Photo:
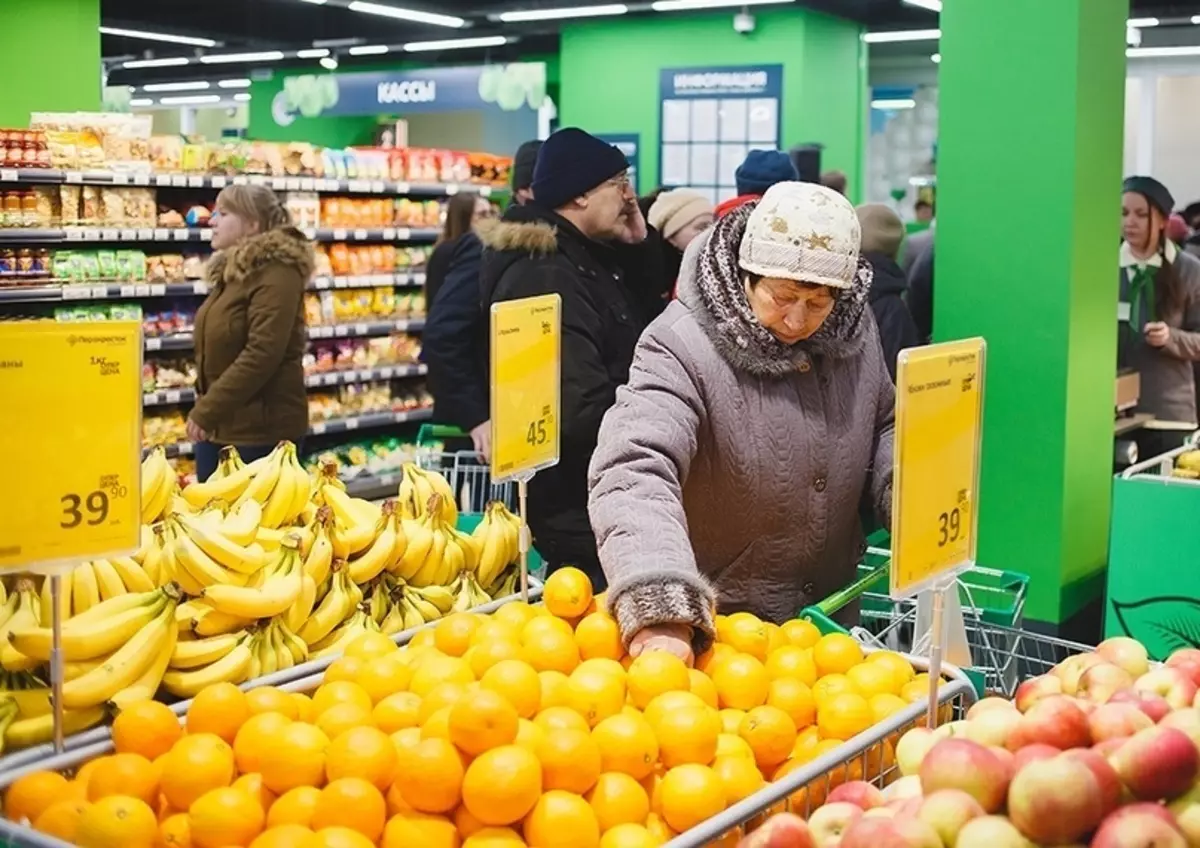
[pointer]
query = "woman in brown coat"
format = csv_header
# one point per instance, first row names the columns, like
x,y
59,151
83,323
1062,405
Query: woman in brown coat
x,y
758,412
250,331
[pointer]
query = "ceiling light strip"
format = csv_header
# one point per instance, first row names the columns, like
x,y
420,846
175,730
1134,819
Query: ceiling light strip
x,y
198,85
314,53
562,14
158,36
931,5
406,14
173,62
369,50
231,58
455,43
688,5
902,35
193,100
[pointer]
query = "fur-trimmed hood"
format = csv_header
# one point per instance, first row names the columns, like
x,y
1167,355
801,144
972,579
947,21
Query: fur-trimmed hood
x,y
282,246
535,237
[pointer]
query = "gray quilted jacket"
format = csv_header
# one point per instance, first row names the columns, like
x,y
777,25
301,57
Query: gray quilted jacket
x,y
720,481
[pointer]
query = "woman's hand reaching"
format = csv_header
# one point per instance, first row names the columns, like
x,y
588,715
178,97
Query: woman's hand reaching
x,y
673,638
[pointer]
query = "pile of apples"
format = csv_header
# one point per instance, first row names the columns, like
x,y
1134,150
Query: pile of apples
x,y
1104,751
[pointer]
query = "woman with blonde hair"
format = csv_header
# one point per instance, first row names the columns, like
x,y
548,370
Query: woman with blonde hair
x,y
250,331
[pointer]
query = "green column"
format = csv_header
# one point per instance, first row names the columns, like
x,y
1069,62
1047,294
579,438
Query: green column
x,y
1029,167
49,58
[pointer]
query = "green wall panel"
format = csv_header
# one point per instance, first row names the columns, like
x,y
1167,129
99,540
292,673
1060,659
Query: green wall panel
x,y
51,58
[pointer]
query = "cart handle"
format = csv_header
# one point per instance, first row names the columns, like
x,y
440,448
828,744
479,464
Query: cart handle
x,y
858,588
429,432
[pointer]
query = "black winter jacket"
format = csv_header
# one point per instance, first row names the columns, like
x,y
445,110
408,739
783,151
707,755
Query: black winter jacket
x,y
897,330
454,344
920,293
534,252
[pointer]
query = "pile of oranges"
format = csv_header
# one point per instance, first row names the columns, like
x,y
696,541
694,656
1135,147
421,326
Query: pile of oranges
x,y
531,727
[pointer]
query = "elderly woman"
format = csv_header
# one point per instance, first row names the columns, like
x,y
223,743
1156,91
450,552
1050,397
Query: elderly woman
x,y
758,411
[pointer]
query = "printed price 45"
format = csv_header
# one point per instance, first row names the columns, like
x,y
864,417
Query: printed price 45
x,y
536,435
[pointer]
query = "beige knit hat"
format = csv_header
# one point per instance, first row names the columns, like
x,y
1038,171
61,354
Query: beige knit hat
x,y
673,210
882,229
803,232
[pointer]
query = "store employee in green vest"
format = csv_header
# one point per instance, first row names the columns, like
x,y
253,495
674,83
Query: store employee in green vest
x,y
1158,314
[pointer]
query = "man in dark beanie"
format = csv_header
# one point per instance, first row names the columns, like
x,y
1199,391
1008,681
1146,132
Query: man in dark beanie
x,y
565,242
522,171
760,170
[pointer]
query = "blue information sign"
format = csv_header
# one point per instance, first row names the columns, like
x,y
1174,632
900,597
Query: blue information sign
x,y
628,144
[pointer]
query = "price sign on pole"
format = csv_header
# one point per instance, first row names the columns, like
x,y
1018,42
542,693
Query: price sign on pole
x,y
526,338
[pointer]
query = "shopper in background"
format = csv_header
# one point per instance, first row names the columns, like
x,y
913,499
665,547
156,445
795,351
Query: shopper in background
x,y
522,171
836,181
1159,310
250,334
679,216
758,410
760,170
882,233
463,212
923,209
647,200
920,289
562,243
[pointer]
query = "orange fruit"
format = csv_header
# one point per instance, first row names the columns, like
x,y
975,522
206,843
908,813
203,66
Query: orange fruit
x,y
654,673
618,799
341,837
570,760
465,823
742,682
518,682
198,763
371,645
430,776
731,745
658,829
483,657
567,593
396,712
701,685
494,837
383,676
688,735
800,632
61,819
174,832
833,684
224,817
342,717
117,821
844,716
354,803
551,650
667,702
484,720
564,718
595,693
412,829
494,630
794,662
298,760
406,738
147,728
529,735
627,745
343,668
125,774
84,773
739,776
598,636
31,795
629,836
436,670
883,706
442,695
806,740
452,635
691,793
795,699
502,785
256,740
437,726
304,707
871,679
747,634
836,653
296,806
329,695
900,667
552,689
219,709
285,836
770,733
711,658
731,720
363,752
602,665
515,614
775,637
543,624
421,639
252,785
562,820
268,699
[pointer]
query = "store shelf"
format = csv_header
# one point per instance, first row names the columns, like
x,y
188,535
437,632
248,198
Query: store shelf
x,y
185,341
44,176
169,396
370,419
179,341
366,375
197,235
124,291
373,486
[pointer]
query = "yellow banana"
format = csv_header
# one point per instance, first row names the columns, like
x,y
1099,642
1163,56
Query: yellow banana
x,y
264,651
241,525
427,610
266,477
296,615
133,578
320,553
439,596
470,547
228,488
221,549
294,644
85,592
277,508
350,511
202,568
152,562
303,488
432,566
145,687
231,668
125,666
211,622
34,731
24,618
31,703
174,571
105,628
278,592
158,485
332,611
45,602
146,540
339,640
441,486
378,556
420,540
198,652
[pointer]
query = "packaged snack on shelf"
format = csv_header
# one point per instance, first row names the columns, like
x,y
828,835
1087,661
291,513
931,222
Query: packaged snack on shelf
x,y
69,204
305,209
166,154
49,210
107,260
90,208
195,159
193,266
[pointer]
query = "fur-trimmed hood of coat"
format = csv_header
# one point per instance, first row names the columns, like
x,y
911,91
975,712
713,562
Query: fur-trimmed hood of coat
x,y
282,246
535,237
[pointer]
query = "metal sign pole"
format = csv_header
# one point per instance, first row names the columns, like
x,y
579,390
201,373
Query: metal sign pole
x,y
56,660
523,537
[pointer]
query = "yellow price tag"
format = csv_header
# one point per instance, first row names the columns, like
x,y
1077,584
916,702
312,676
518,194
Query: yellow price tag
x,y
70,430
526,348
935,488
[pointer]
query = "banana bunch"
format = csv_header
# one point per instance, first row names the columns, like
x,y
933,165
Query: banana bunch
x,y
21,611
338,598
267,592
497,536
97,632
468,594
508,583
29,692
159,485
436,552
413,606
340,637
416,489
215,547
227,483
197,663
355,524
92,583
274,648
386,549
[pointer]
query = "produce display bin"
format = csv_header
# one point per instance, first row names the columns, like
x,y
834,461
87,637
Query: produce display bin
x,y
1153,592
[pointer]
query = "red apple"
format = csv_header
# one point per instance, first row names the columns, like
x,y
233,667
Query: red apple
x,y
1109,746
969,766
1158,811
1149,703
1106,777
785,830
1138,826
1102,681
828,823
1186,810
906,787
990,832
992,702
1036,688
1056,720
1031,753
1055,801
1157,764
912,748
947,810
1117,721
1128,653
1072,668
875,832
857,792
1189,665
1170,684
992,727
1186,720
